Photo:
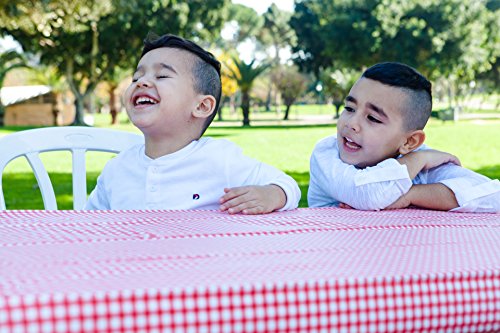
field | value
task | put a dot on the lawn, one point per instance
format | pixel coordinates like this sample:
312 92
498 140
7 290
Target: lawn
476 143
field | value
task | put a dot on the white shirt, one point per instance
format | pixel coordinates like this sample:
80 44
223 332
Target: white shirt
191 178
374 188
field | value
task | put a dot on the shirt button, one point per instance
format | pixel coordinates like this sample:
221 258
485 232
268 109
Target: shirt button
155 170
152 188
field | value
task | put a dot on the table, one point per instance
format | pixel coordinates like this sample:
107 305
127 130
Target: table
308 270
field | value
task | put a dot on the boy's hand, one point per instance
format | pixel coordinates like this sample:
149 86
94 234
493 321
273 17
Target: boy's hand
426 159
344 206
253 199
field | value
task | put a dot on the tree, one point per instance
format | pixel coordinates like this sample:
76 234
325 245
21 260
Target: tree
291 84
86 39
336 84
9 60
245 22
245 75
438 37
278 34
229 84
113 78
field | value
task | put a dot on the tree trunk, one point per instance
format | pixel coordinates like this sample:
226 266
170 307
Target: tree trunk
2 114
287 110
79 111
245 107
337 109
112 105
268 98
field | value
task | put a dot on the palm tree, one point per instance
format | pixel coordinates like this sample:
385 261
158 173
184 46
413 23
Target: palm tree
8 61
245 75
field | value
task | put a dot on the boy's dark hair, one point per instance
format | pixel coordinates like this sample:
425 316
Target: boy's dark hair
206 69
415 85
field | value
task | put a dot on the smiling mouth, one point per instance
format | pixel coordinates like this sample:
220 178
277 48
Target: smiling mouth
143 100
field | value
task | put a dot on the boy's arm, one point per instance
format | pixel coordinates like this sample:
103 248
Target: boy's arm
432 196
253 199
448 186
426 159
334 182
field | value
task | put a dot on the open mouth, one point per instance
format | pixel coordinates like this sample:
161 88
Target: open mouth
351 145
144 100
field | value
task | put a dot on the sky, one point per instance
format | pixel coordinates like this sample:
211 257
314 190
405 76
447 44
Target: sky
261 6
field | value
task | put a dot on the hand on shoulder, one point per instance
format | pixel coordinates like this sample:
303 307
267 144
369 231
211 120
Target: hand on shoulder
417 161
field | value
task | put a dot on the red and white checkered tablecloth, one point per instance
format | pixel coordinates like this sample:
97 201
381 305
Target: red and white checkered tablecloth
309 270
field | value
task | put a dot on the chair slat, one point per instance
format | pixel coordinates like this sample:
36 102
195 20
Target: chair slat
79 179
43 179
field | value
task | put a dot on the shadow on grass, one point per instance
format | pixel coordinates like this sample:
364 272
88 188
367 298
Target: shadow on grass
21 190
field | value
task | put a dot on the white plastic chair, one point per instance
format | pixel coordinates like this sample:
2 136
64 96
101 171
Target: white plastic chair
76 139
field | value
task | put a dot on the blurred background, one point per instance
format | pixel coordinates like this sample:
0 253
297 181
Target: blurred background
73 58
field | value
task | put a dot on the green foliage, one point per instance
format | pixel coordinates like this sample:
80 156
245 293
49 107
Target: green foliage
439 37
245 74
87 39
290 83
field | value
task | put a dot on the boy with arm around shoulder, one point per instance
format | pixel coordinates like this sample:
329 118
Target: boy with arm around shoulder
173 98
377 159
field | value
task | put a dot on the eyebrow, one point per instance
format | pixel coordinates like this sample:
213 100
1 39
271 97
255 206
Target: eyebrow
168 67
161 65
371 106
377 109
349 98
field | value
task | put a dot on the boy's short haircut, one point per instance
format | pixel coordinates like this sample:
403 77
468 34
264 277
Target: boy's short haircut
205 70
415 85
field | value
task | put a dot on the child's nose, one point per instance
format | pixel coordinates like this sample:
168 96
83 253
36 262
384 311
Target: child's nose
143 82
353 124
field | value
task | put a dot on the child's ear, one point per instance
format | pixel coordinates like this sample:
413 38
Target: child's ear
413 140
205 107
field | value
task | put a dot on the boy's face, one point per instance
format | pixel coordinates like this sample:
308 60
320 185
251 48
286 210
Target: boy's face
370 129
161 98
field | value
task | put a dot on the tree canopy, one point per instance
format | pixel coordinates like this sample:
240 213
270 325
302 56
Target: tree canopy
86 39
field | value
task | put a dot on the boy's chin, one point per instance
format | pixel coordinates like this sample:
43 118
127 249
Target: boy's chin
358 164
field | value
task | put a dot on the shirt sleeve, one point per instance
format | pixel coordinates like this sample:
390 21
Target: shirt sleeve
244 171
474 192
333 181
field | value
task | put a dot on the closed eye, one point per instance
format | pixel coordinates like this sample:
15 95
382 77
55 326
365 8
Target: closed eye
373 119
162 77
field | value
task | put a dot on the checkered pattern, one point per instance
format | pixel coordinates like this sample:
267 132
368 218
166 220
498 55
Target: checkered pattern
309 270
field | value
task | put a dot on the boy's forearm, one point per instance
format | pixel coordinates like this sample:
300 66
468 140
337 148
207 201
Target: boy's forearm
413 164
432 196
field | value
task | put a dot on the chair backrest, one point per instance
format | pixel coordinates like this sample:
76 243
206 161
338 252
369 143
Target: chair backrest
77 140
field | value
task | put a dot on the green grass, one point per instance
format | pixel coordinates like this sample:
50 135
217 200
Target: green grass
476 143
